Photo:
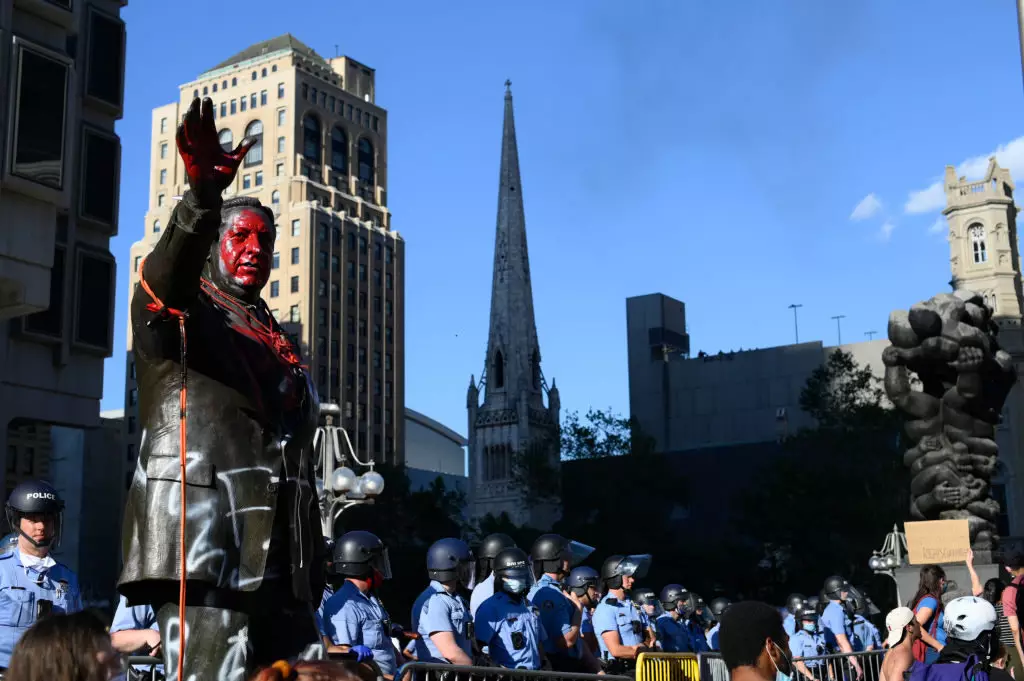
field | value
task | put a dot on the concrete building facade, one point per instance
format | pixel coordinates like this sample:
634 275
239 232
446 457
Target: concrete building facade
433 447
513 422
320 164
62 73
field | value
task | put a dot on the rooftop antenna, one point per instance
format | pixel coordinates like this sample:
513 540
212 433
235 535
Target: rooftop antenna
796 328
870 334
337 53
839 329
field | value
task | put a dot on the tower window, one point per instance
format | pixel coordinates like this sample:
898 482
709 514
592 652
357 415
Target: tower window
499 370
977 234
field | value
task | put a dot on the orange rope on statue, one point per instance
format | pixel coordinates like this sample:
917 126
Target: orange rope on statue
158 307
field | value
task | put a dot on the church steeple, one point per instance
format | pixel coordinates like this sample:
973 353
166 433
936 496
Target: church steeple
513 353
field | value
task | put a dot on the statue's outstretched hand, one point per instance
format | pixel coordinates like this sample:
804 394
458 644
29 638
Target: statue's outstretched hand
210 169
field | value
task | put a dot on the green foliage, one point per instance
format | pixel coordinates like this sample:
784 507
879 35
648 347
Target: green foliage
602 433
828 501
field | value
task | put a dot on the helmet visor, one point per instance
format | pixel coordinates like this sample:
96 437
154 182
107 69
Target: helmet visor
466 572
577 552
635 566
517 580
381 563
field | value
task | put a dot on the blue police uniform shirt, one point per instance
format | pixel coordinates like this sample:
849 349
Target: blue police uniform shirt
352 618
834 620
437 610
127 618
512 631
789 623
805 644
319 614
698 639
481 592
22 589
673 635
712 637
556 614
865 634
587 621
622 616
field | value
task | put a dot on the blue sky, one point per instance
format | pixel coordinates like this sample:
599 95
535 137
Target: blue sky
714 152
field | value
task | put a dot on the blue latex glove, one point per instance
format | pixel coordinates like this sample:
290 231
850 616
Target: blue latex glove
362 653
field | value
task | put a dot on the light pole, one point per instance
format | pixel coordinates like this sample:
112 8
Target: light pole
839 329
892 555
870 334
340 488
1020 31
795 306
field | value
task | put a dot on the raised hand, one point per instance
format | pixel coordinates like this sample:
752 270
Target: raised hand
209 168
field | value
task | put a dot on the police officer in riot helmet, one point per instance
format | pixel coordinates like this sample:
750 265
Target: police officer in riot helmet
491 546
673 634
440 615
697 623
354 619
553 556
836 622
617 622
35 512
649 606
718 608
507 624
794 604
584 588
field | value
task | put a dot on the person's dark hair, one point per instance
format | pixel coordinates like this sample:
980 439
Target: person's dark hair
745 628
930 584
992 590
61 648
1014 559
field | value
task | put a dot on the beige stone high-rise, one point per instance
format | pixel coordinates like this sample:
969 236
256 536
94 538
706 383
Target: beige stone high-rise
338 279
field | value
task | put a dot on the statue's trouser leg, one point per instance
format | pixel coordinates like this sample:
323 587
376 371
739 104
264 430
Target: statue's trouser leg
228 645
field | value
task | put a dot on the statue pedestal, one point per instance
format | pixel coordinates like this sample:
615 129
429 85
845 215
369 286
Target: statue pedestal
908 578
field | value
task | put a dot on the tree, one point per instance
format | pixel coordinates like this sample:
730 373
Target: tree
836 489
602 433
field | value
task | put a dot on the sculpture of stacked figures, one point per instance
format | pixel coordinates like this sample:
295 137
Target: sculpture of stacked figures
948 343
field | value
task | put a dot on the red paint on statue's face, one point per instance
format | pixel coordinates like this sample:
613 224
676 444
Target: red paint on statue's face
246 250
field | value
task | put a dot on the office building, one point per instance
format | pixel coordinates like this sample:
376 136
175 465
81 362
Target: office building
320 163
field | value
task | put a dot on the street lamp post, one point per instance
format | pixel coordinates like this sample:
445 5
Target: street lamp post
340 488
892 555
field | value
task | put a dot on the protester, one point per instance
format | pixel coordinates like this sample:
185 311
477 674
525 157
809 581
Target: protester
927 607
903 630
1011 596
970 646
754 644
304 671
64 648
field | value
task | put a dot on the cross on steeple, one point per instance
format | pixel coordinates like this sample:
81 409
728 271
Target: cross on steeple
508 85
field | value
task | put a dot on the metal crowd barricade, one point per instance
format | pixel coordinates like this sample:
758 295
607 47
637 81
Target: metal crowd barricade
667 667
431 671
143 668
837 667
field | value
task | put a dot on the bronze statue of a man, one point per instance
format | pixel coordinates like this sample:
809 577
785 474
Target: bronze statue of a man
224 403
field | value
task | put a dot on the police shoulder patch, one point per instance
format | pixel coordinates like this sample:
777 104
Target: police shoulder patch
611 601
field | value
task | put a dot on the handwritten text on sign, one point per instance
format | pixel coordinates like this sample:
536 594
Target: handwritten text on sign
937 541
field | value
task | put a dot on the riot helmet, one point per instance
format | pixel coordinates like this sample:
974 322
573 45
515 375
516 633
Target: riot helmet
38 501
8 543
835 587
794 603
813 603
512 572
552 552
491 546
582 579
451 560
617 567
362 555
719 606
807 618
646 600
675 598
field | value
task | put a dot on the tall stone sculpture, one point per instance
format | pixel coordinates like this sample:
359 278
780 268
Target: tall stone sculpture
222 531
946 372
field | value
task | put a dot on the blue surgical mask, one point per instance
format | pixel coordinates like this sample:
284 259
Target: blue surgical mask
810 626
788 663
514 585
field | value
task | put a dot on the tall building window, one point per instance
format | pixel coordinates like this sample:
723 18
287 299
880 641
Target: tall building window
365 161
280 116
243 103
280 90
977 234
163 176
163 126
156 226
295 256
263 98
252 101
246 181
339 150
275 198
296 227
275 289
279 170
234 106
223 109
276 262
263 73
280 145
258 178
159 200
163 150
293 314
295 285
255 155
227 140
311 139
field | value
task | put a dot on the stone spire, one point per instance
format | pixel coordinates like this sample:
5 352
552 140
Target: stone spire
513 353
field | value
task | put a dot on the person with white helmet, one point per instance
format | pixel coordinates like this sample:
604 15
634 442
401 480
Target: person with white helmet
971 645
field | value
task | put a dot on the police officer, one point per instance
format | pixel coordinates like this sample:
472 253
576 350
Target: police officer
32 583
647 603
673 635
617 623
506 623
584 587
808 641
440 616
695 623
865 634
815 604
794 604
491 546
8 543
135 631
354 618
836 623
553 556
718 608
332 584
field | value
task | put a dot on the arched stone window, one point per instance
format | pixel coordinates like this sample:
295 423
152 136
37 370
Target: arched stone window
977 234
227 140
255 155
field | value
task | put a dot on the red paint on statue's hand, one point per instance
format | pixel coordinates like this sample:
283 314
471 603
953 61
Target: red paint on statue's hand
210 169
246 249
